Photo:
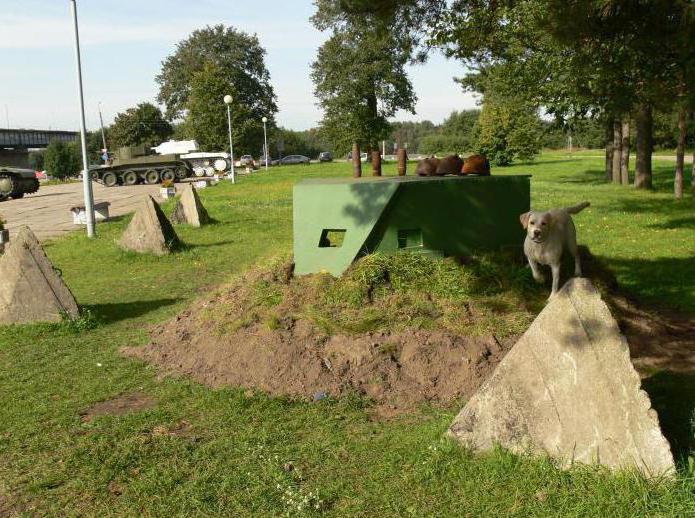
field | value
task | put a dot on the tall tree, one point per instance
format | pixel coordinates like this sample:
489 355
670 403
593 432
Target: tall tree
238 54
587 56
142 125
359 73
206 119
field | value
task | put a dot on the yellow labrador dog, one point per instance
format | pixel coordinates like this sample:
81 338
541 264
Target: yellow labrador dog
548 234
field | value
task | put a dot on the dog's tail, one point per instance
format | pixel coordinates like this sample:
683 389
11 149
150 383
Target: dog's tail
577 208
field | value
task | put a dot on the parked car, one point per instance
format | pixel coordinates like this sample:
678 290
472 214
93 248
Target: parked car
325 156
363 156
295 159
271 161
246 160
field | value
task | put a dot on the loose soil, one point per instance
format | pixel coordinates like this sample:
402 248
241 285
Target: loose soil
120 405
397 371
222 340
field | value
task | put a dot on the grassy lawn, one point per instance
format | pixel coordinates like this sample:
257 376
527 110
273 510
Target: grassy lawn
202 451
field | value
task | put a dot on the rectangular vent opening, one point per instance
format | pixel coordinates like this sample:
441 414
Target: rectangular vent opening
332 238
410 238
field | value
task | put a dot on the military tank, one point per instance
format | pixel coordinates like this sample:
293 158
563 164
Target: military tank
202 163
15 183
138 164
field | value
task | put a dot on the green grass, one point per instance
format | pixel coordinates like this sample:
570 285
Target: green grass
386 293
230 458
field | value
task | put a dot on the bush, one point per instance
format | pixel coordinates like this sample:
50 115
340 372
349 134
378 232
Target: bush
508 132
62 160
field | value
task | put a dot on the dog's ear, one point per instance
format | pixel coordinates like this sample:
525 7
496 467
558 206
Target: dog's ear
524 219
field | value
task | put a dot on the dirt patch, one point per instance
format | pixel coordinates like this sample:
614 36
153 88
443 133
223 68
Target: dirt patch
424 342
659 338
397 371
120 405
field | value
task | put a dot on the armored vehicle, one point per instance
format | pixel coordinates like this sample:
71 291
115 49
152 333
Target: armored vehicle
136 164
15 183
202 163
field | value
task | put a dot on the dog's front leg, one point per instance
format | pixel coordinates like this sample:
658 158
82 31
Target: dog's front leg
536 271
555 268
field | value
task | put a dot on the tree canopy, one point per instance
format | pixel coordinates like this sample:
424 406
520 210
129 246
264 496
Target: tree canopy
240 57
144 124
359 73
206 119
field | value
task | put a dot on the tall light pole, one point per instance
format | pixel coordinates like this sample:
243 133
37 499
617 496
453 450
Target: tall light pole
103 135
265 142
228 101
86 177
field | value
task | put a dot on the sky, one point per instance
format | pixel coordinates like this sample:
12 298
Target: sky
125 41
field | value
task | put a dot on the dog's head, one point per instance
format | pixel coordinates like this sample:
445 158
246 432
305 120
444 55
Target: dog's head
537 225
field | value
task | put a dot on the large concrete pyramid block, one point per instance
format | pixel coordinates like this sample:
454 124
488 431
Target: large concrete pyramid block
568 389
189 209
30 288
150 231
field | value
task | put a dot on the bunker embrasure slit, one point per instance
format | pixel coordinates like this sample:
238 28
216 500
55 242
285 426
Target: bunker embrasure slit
409 238
332 238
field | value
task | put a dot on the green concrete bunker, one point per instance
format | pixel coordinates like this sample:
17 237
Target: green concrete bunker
338 220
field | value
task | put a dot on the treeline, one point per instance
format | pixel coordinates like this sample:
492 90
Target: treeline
619 63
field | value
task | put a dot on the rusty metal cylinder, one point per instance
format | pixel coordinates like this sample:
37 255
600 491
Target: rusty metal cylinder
376 163
402 162
356 161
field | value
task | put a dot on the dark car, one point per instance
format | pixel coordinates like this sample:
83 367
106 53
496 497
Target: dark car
325 156
295 159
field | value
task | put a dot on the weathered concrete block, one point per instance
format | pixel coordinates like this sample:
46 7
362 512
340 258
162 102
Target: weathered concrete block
150 231
30 288
568 389
189 208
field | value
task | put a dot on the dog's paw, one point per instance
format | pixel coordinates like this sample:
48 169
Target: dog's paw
539 278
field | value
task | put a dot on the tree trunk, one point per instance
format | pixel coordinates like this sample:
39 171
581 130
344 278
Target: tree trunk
609 150
617 149
644 144
403 163
680 155
376 163
356 161
692 171
625 153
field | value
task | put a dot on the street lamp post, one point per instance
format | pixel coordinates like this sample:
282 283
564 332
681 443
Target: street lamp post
265 142
103 135
86 177
228 101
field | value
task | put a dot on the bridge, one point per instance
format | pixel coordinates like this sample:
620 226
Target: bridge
16 143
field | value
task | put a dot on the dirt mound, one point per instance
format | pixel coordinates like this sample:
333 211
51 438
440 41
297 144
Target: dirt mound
397 371
401 330
386 337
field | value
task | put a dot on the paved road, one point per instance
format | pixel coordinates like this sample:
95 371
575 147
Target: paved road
48 211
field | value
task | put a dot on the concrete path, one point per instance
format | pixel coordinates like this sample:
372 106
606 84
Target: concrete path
48 211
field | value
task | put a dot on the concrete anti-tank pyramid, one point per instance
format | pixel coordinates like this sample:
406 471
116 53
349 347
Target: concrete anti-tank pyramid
189 209
31 290
568 389
150 231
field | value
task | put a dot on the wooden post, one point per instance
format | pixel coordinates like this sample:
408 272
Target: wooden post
402 162
356 161
376 163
